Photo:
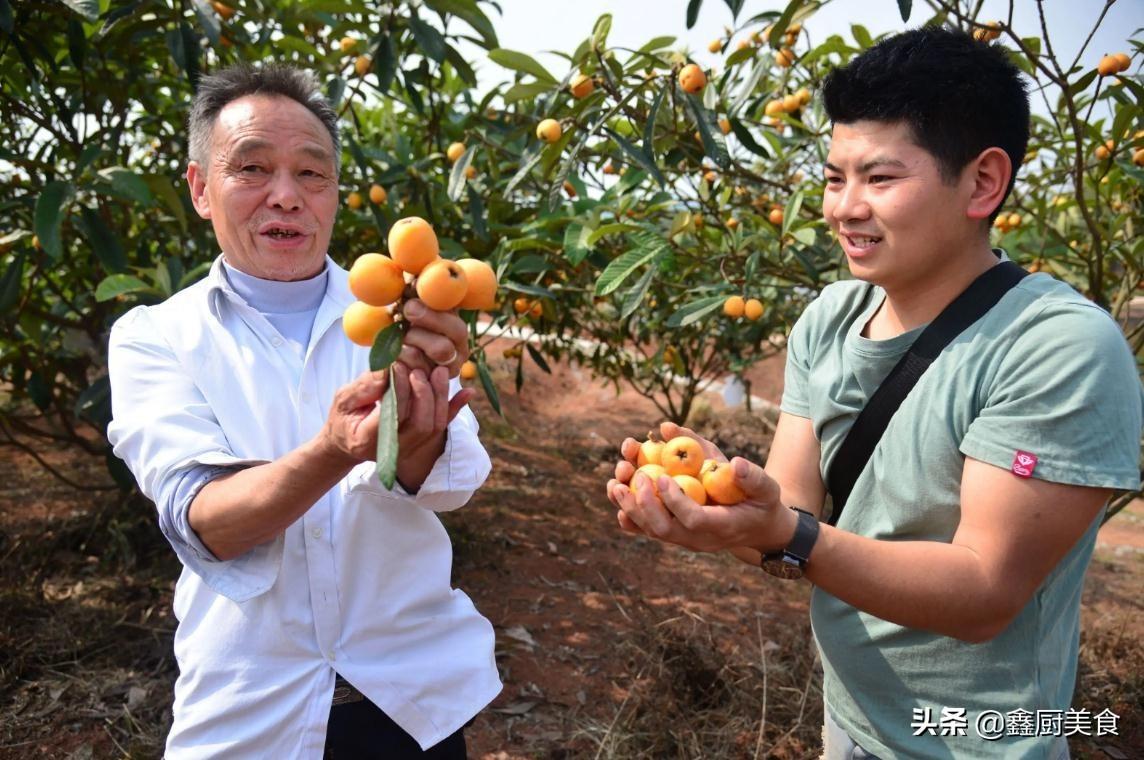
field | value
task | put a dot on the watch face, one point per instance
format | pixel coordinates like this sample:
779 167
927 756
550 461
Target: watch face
783 567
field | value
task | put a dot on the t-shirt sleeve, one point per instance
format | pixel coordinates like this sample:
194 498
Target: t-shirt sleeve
796 374
1066 392
165 432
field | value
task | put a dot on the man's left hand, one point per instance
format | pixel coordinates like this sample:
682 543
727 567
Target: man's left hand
434 338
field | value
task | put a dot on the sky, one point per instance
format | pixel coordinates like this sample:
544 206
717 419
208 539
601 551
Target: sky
533 26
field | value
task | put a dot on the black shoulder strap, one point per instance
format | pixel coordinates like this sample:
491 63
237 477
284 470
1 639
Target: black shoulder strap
982 294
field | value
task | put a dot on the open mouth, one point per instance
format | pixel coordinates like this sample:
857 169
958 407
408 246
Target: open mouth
862 242
281 234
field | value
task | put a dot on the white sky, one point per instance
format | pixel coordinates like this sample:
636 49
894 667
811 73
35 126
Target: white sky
533 26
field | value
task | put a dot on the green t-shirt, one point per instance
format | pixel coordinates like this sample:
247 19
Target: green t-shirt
1046 372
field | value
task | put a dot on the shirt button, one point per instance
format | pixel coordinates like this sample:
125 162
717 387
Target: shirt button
316 533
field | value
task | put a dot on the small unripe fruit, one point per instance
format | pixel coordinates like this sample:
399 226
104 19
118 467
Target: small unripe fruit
549 130
734 307
455 151
692 79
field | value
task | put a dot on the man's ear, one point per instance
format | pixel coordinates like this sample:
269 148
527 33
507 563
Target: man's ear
197 182
990 173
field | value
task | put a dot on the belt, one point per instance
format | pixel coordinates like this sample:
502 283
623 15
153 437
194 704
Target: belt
345 693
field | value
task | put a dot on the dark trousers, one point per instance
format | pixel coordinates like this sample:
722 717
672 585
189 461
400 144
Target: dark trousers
361 731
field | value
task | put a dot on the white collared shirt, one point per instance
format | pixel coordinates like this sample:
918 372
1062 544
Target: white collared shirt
360 583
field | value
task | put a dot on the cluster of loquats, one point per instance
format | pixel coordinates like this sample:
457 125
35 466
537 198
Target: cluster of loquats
1006 222
414 265
989 32
736 307
704 481
1113 64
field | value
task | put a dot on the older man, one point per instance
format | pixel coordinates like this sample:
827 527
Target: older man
251 421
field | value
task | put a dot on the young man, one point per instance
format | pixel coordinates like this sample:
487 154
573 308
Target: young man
950 588
316 615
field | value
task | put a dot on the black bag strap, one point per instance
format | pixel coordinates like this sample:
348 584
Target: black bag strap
981 295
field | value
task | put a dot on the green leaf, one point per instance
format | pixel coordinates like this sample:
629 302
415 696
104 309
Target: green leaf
477 213
525 90
749 86
904 7
103 241
488 385
428 38
162 188
457 177
747 139
528 162
77 43
464 70
576 247
648 248
649 127
10 283
634 297
638 156
89 9
119 284
695 311
783 21
861 35
538 358
126 184
49 215
713 143
693 12
209 20
610 229
387 437
525 64
467 11
790 214
384 62
735 6
656 43
6 17
600 31
386 347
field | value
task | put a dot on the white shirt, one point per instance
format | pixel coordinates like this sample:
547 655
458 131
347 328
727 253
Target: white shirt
359 583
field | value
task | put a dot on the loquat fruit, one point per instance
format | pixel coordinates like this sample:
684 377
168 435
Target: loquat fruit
718 479
413 244
362 64
692 79
734 307
442 285
682 455
377 194
725 126
481 292
347 44
714 46
549 130
224 11
455 151
753 309
354 201
376 279
362 322
468 370
775 217
581 86
784 58
650 452
691 488
1108 66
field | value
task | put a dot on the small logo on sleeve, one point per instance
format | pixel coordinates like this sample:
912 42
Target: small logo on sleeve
1024 463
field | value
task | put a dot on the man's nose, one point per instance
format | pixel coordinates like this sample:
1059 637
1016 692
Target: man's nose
284 192
850 203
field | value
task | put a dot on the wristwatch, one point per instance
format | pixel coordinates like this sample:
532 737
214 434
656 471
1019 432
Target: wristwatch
791 561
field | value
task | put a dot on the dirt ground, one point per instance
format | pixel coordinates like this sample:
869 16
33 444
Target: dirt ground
609 646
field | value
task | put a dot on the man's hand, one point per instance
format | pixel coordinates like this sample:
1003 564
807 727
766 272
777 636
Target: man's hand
424 411
626 467
434 338
350 431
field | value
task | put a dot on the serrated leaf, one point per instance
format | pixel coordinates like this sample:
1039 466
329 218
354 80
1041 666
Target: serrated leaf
610 229
528 162
386 347
387 437
747 139
710 134
634 297
126 183
103 241
49 216
119 284
693 12
695 311
457 177
749 86
10 283
428 38
637 155
488 385
648 248
538 358
525 64
576 247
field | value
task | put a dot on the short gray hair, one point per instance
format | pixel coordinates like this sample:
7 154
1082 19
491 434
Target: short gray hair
215 91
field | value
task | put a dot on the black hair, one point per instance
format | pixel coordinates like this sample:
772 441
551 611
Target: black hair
214 92
957 95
